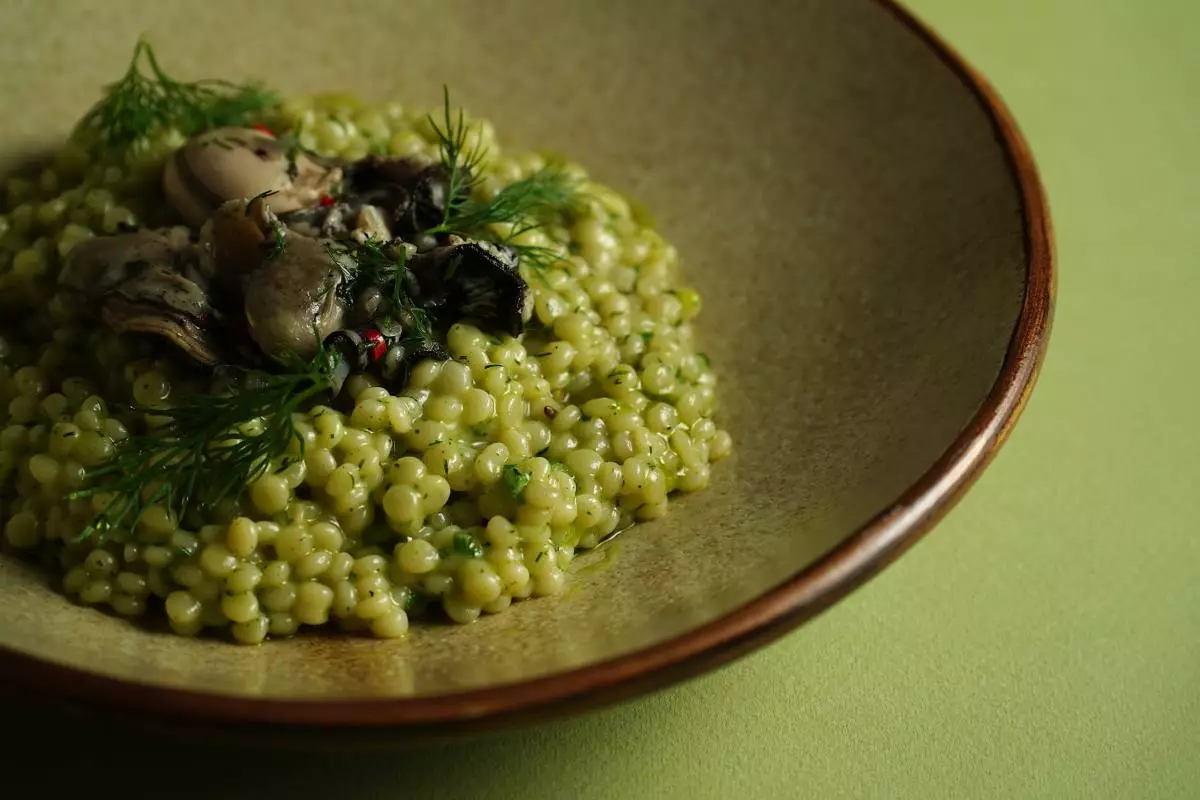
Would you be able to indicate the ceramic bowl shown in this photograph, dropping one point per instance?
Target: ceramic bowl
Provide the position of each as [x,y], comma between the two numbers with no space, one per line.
[859,212]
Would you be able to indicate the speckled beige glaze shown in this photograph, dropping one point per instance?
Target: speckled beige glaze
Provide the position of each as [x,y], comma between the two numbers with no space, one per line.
[837,193]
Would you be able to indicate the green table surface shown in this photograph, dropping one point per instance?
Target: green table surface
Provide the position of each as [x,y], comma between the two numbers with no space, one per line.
[1043,641]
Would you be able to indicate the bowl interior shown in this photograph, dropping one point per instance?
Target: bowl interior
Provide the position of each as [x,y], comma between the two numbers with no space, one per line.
[837,193]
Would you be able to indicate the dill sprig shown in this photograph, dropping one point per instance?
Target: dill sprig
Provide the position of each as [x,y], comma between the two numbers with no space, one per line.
[211,448]
[527,204]
[140,104]
[536,256]
[461,159]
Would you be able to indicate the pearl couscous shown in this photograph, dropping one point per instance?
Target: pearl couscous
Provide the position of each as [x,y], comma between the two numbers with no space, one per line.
[472,487]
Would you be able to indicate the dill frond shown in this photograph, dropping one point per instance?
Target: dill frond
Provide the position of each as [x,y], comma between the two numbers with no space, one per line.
[461,159]
[146,100]
[211,448]
[538,197]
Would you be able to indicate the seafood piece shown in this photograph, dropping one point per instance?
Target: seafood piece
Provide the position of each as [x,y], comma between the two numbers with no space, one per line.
[226,164]
[145,282]
[288,284]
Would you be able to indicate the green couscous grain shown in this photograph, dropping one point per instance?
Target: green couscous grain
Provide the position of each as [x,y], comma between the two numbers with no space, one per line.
[471,488]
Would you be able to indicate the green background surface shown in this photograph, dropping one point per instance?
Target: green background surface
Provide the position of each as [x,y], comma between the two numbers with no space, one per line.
[1044,641]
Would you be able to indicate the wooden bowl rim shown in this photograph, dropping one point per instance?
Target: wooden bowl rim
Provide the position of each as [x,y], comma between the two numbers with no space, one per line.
[763,620]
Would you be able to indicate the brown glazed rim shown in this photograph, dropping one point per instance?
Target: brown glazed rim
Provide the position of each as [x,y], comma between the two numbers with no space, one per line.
[783,608]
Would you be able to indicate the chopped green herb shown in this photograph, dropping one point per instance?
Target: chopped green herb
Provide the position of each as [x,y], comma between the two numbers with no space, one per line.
[515,480]
[415,598]
[647,336]
[704,360]
[294,149]
[466,545]
[278,244]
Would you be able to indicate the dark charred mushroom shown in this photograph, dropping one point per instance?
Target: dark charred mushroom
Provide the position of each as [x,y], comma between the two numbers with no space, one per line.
[412,193]
[145,282]
[474,280]
[380,196]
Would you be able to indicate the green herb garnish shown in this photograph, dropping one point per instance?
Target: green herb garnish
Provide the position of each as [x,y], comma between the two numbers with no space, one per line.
[514,479]
[465,545]
[527,204]
[539,257]
[141,104]
[546,192]
[460,160]
[375,263]
[294,150]
[414,598]
[211,448]
[278,244]
[370,263]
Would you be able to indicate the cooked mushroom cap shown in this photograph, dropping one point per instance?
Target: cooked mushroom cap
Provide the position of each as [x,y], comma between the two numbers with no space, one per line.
[228,163]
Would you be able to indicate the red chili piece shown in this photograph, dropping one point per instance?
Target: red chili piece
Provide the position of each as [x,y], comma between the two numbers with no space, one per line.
[326,200]
[258,126]
[378,344]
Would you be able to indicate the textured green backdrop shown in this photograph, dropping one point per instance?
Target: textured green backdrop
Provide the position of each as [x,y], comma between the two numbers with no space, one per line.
[1044,641]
